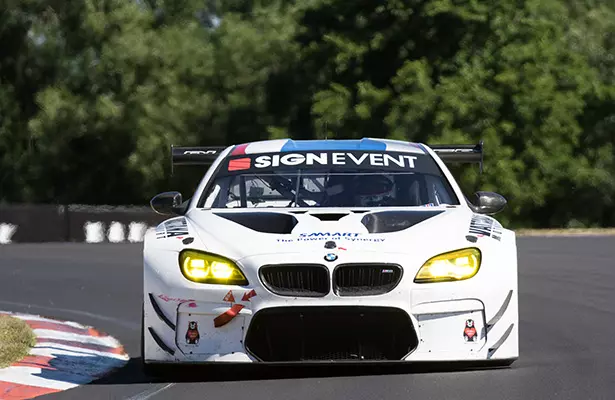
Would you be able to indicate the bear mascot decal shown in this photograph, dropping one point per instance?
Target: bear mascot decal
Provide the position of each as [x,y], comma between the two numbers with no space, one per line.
[192,334]
[469,332]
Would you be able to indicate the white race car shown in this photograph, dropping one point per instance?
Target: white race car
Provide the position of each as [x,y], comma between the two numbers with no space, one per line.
[329,251]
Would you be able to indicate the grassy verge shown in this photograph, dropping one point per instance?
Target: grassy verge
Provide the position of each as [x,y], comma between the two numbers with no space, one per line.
[567,232]
[16,339]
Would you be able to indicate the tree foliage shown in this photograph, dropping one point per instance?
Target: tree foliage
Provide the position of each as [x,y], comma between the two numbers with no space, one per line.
[93,93]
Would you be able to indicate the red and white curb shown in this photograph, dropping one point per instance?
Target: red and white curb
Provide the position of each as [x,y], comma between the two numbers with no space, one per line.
[66,355]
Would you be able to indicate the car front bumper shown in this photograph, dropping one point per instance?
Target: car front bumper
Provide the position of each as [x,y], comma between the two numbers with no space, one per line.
[193,323]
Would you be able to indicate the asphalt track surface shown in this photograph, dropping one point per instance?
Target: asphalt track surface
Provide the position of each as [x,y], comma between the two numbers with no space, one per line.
[567,330]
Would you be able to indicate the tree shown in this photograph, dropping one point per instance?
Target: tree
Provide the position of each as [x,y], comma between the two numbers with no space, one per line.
[127,87]
[93,93]
[436,71]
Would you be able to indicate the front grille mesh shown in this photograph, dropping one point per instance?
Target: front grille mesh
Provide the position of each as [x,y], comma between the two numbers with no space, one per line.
[300,280]
[288,334]
[366,279]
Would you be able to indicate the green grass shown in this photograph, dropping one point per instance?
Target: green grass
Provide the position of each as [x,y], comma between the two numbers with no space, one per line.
[16,339]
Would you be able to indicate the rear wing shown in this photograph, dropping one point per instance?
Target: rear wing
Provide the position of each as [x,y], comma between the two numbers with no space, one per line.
[460,153]
[194,155]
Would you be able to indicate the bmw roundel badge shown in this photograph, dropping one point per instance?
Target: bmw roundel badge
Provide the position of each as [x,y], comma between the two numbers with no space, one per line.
[331,257]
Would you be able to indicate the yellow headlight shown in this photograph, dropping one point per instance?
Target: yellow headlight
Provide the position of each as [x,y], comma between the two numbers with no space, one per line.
[454,266]
[203,267]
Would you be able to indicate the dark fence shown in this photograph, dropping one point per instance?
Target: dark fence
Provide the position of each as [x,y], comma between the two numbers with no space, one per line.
[28,223]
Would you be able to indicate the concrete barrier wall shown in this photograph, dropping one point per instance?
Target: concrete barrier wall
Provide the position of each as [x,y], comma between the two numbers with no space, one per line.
[31,223]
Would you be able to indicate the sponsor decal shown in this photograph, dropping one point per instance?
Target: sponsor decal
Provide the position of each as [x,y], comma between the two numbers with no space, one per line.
[200,152]
[167,298]
[329,234]
[172,228]
[374,159]
[481,225]
[192,333]
[346,158]
[192,305]
[229,297]
[331,257]
[342,236]
[469,331]
[239,164]
[248,295]
[354,237]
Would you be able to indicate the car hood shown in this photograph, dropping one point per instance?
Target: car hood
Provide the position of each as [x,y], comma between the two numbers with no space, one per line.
[245,233]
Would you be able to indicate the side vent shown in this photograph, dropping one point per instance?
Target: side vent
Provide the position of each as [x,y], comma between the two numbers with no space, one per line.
[395,221]
[160,342]
[160,313]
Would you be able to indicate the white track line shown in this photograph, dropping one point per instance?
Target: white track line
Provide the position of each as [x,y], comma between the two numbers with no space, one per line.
[146,394]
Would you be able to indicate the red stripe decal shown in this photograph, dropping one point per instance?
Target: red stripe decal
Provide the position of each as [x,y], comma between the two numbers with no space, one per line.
[88,346]
[239,164]
[248,295]
[239,150]
[34,362]
[227,316]
[15,391]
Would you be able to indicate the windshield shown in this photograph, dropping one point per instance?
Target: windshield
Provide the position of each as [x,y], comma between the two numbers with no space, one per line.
[401,180]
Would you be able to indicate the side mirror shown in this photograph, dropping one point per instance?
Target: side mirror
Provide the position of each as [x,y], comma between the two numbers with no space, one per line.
[488,203]
[167,203]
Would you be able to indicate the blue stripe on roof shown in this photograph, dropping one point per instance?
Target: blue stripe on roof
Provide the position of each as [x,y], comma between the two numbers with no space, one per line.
[315,145]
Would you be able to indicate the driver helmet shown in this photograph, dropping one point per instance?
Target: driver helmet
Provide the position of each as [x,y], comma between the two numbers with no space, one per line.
[374,190]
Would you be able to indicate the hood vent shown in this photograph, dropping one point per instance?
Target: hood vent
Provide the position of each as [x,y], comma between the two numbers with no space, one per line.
[264,222]
[395,221]
[329,216]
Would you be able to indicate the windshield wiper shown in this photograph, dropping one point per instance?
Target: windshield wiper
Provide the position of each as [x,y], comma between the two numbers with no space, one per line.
[298,187]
